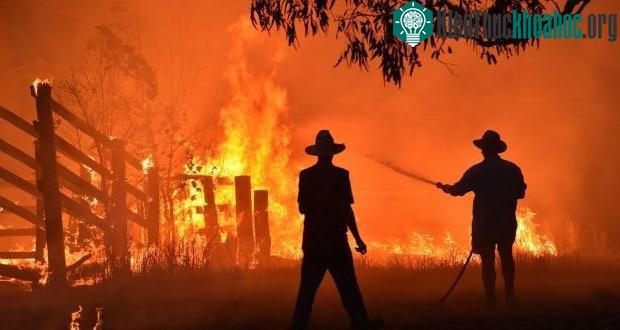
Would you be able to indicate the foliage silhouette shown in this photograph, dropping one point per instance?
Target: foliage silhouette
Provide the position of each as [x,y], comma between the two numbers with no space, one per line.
[366,26]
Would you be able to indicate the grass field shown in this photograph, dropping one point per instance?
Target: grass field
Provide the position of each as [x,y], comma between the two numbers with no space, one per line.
[553,293]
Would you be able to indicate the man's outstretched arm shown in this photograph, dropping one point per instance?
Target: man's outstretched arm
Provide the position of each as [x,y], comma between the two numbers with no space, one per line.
[461,187]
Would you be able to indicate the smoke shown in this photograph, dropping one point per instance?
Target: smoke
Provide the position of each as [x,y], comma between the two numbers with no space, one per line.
[555,107]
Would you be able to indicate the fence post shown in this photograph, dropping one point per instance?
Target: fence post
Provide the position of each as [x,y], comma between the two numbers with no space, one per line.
[245,228]
[152,211]
[49,185]
[261,226]
[212,227]
[39,242]
[118,207]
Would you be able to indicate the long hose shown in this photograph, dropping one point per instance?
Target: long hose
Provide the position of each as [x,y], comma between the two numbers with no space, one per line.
[456,281]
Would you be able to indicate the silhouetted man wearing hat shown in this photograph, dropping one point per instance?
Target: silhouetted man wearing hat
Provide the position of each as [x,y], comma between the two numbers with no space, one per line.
[325,200]
[497,185]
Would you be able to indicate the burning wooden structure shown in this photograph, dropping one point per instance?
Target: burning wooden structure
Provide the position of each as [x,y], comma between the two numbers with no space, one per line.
[51,177]
[251,243]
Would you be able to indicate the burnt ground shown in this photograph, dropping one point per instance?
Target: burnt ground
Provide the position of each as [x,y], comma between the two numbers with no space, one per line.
[571,294]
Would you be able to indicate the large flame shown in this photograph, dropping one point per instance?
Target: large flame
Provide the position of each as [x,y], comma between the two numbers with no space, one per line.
[256,143]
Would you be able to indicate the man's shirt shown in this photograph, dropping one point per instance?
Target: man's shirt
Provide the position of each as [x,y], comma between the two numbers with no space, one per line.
[324,198]
[498,184]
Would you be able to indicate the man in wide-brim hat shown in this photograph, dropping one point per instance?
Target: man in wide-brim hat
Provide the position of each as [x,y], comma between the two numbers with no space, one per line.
[325,200]
[497,185]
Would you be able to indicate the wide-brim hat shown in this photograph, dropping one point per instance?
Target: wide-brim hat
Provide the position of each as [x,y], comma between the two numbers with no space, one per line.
[491,142]
[324,145]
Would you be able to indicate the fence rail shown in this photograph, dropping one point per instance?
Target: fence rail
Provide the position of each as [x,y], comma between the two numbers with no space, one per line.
[18,155]
[17,232]
[18,182]
[18,254]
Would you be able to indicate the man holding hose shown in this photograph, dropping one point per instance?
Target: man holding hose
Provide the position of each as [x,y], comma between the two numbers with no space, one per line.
[497,185]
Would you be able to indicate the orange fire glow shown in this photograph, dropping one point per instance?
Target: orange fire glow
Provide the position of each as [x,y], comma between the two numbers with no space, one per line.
[256,143]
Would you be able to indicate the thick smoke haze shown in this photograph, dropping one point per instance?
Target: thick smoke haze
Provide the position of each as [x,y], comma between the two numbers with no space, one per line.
[557,107]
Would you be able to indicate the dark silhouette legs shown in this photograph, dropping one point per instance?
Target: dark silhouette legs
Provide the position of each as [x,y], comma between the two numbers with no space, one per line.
[346,282]
[313,269]
[487,254]
[340,265]
[508,268]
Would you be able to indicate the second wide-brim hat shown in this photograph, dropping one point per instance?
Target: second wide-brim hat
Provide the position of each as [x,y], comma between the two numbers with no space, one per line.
[324,145]
[491,142]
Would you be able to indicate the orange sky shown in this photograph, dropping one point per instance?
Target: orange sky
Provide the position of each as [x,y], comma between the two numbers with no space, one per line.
[555,106]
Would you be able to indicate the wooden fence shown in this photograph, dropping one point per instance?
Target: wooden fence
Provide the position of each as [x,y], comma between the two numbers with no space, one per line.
[253,242]
[52,175]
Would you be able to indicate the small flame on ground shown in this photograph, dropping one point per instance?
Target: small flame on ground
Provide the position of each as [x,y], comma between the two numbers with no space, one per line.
[75,318]
[529,239]
[99,324]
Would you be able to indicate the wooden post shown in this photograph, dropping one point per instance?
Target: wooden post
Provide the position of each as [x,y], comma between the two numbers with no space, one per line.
[212,227]
[261,226]
[245,228]
[39,233]
[118,214]
[49,186]
[152,211]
